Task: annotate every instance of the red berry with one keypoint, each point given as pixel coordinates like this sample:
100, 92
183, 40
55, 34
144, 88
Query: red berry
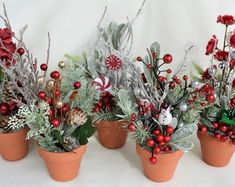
232, 102
172, 85
150, 142
175, 78
223, 128
55, 122
233, 84
229, 133
4, 108
133, 117
77, 85
167, 149
223, 138
169, 71
42, 95
167, 58
20, 51
178, 81
57, 93
65, 108
167, 138
43, 67
153, 160
131, 127
160, 138
169, 130
215, 125
208, 89
156, 132
156, 150
162, 143
203, 129
149, 66
216, 135
210, 98
185, 77
51, 113
55, 75
139, 59
50, 101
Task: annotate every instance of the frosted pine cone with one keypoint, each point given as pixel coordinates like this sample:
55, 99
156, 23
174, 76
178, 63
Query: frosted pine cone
76, 117
4, 123
7, 93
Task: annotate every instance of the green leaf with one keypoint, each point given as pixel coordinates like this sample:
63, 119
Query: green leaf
85, 131
184, 145
155, 47
183, 132
198, 68
117, 36
57, 135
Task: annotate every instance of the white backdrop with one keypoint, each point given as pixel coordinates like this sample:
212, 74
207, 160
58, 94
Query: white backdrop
72, 24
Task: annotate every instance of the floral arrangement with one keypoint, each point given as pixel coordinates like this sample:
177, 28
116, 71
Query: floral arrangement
18, 73
55, 121
167, 106
218, 80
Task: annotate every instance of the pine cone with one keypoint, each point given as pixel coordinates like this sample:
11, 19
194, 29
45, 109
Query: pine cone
76, 117
7, 93
4, 123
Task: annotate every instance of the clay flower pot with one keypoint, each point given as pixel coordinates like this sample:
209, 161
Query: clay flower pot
165, 167
215, 152
13, 145
62, 166
111, 134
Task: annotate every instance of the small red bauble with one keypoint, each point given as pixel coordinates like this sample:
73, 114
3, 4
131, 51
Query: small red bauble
216, 135
150, 142
131, 127
160, 138
172, 85
51, 113
65, 108
232, 40
55, 75
133, 117
156, 150
156, 132
149, 66
43, 67
153, 160
232, 102
229, 133
77, 85
215, 125
185, 77
20, 51
169, 130
223, 128
50, 101
4, 108
55, 122
178, 81
223, 138
42, 95
57, 93
113, 62
203, 129
210, 98
167, 58
169, 71
139, 59
167, 138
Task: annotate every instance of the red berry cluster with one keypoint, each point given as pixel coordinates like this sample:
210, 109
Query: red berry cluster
145, 107
106, 102
7, 108
221, 131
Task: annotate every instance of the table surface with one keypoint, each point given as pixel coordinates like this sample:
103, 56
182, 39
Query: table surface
101, 167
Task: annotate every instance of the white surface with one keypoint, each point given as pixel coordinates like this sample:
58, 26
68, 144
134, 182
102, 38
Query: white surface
72, 24
117, 168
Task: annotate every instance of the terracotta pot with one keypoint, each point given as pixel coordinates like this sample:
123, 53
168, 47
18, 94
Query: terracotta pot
13, 145
111, 134
165, 167
62, 166
215, 152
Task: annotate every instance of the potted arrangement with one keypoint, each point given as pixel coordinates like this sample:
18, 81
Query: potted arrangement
166, 115
217, 120
18, 85
60, 127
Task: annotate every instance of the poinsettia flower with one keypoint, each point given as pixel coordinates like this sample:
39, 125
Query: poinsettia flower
226, 19
6, 35
211, 46
221, 55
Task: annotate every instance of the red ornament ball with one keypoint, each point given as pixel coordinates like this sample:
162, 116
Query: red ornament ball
65, 108
4, 108
160, 138
20, 51
50, 101
139, 59
43, 67
150, 142
169, 130
232, 40
223, 138
232, 102
172, 85
203, 129
113, 62
156, 150
77, 85
42, 95
149, 66
133, 117
169, 71
153, 160
223, 128
167, 58
167, 138
156, 132
216, 135
210, 98
55, 75
51, 113
55, 122
215, 125
185, 77
229, 133
131, 127
57, 93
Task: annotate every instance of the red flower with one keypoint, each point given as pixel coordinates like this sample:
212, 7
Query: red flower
233, 83
6, 35
211, 45
206, 75
232, 40
226, 20
232, 63
221, 55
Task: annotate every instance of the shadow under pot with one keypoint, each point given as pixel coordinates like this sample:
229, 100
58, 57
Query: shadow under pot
111, 134
164, 169
13, 145
63, 166
215, 152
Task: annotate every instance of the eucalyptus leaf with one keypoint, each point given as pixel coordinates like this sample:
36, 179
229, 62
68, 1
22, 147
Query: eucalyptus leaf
184, 145
184, 132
